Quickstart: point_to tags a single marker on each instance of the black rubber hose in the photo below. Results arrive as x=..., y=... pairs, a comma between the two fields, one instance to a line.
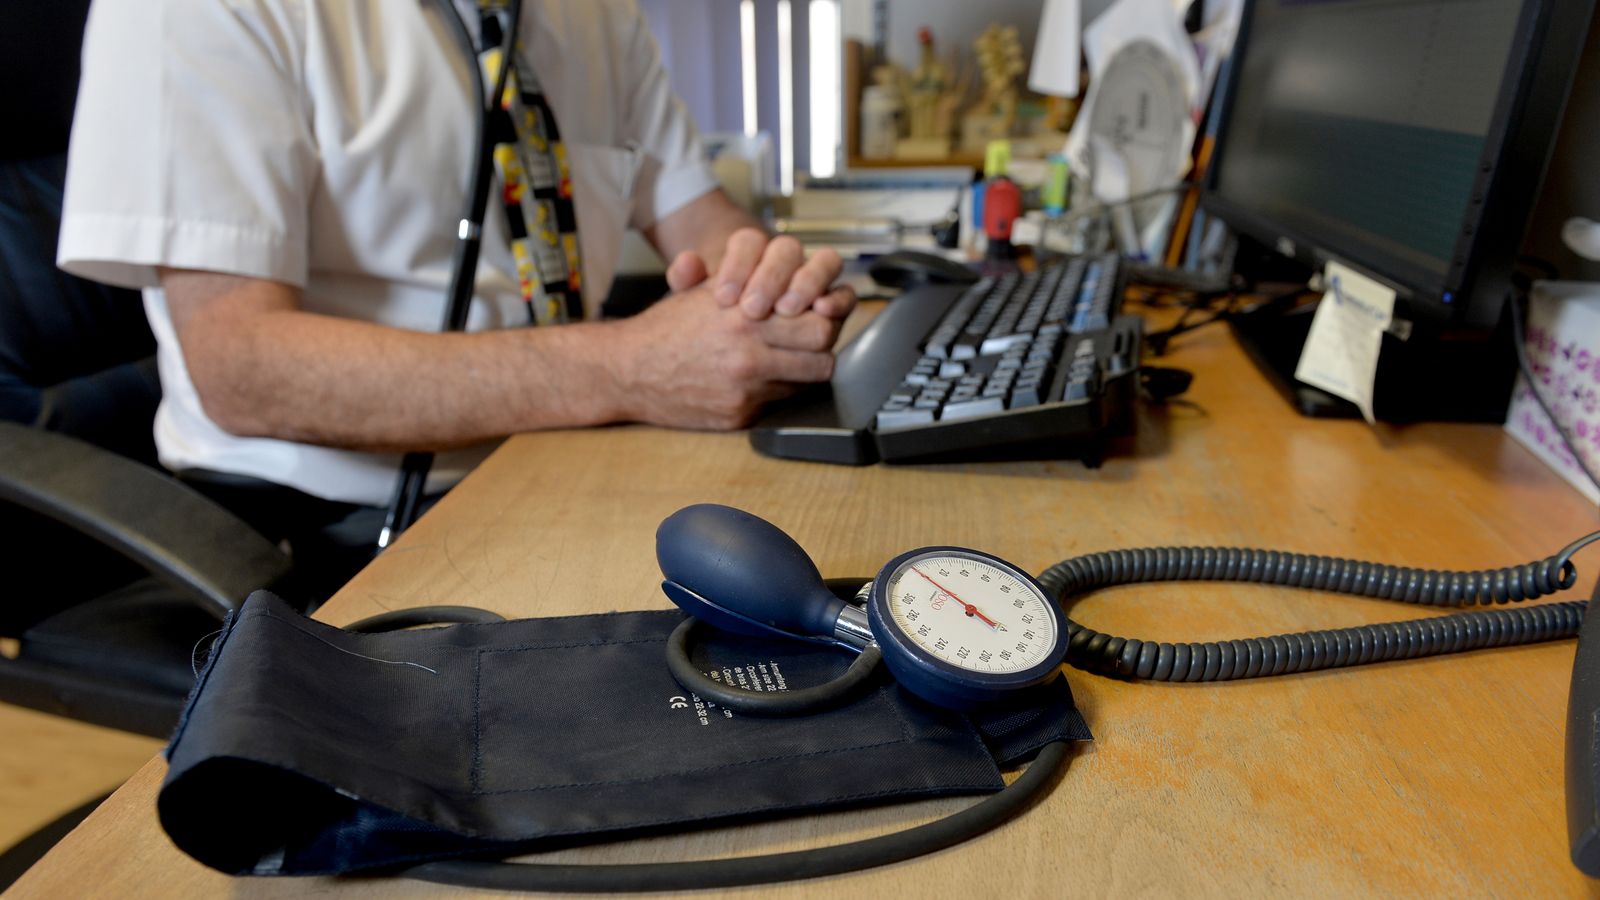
x=417, y=616
x=1285, y=653
x=965, y=825
x=799, y=702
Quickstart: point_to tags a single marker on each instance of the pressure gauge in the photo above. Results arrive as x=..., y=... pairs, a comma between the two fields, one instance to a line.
x=957, y=627
x=961, y=627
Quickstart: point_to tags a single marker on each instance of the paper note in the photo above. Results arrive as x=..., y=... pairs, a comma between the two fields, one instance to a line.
x=1341, y=352
x=1057, y=52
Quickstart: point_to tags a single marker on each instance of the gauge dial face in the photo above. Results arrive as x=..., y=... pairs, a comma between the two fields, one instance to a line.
x=972, y=613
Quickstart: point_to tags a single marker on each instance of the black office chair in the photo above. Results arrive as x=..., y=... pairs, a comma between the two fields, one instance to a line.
x=114, y=570
x=117, y=574
x=109, y=638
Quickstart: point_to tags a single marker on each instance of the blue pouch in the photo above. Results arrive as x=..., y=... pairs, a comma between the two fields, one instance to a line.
x=309, y=750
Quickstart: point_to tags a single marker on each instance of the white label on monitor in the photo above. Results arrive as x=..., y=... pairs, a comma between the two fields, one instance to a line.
x=1341, y=352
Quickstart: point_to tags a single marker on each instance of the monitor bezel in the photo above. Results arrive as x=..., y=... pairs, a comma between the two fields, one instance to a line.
x=1540, y=67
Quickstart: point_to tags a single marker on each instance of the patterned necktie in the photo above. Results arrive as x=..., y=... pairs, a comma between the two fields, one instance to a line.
x=535, y=183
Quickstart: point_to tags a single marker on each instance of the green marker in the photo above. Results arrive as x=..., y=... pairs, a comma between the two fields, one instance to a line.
x=1054, y=195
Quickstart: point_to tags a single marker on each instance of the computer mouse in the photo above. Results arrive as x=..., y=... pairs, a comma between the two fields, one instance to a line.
x=904, y=268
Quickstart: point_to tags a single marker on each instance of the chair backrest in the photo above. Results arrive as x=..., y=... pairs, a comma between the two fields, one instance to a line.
x=194, y=546
x=115, y=574
x=75, y=356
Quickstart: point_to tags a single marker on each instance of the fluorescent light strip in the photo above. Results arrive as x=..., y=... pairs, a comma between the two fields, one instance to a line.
x=825, y=92
x=786, y=96
x=747, y=64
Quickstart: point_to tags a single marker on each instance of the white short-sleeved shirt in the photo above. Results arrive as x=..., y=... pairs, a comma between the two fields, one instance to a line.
x=326, y=144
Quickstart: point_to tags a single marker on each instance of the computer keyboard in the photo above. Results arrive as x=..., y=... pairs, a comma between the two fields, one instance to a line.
x=1019, y=365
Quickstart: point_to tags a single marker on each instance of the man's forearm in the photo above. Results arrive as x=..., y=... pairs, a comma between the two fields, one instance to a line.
x=320, y=380
x=263, y=367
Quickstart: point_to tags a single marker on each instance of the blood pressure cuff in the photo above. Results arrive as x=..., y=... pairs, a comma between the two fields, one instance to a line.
x=309, y=750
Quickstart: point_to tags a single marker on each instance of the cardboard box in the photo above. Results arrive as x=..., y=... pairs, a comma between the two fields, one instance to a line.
x=1563, y=343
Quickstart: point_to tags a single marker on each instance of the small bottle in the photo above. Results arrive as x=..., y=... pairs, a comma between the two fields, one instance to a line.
x=881, y=114
x=1054, y=195
x=1002, y=200
x=1002, y=205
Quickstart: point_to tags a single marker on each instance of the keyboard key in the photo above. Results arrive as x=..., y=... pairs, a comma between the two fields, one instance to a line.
x=1076, y=390
x=966, y=409
x=900, y=418
x=1026, y=395
x=938, y=345
x=965, y=346
x=996, y=345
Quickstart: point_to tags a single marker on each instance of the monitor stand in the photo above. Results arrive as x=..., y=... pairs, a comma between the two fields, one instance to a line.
x=1433, y=377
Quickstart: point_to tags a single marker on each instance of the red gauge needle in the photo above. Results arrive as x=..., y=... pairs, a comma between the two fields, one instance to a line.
x=971, y=610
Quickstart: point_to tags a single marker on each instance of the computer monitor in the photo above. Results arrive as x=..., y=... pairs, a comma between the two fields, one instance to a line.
x=1405, y=138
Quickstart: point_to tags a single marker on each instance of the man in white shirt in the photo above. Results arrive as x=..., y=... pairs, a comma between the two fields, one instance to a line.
x=283, y=179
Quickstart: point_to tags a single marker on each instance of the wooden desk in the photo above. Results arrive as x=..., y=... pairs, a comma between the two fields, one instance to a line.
x=1436, y=776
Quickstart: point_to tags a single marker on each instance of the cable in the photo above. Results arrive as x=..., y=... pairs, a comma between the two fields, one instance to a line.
x=1100, y=207
x=981, y=817
x=765, y=703
x=1157, y=341
x=1157, y=297
x=414, y=466
x=1308, y=651
x=417, y=616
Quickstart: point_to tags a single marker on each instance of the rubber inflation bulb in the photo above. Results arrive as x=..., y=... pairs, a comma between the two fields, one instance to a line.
x=745, y=565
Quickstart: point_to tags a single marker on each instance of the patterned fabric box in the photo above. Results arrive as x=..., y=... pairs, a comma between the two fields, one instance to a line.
x=1563, y=338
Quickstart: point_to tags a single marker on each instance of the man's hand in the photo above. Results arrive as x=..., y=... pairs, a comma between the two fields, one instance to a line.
x=691, y=362
x=767, y=276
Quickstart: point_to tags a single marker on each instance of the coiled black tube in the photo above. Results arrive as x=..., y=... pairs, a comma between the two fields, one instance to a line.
x=1307, y=651
x=797, y=702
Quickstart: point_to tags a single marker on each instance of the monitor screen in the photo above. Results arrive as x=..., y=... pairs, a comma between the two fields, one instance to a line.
x=1370, y=130
x=1407, y=139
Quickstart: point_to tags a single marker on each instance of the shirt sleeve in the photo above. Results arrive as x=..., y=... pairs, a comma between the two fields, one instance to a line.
x=191, y=145
x=674, y=169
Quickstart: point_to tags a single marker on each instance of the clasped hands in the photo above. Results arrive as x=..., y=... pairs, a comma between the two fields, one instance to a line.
x=724, y=343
